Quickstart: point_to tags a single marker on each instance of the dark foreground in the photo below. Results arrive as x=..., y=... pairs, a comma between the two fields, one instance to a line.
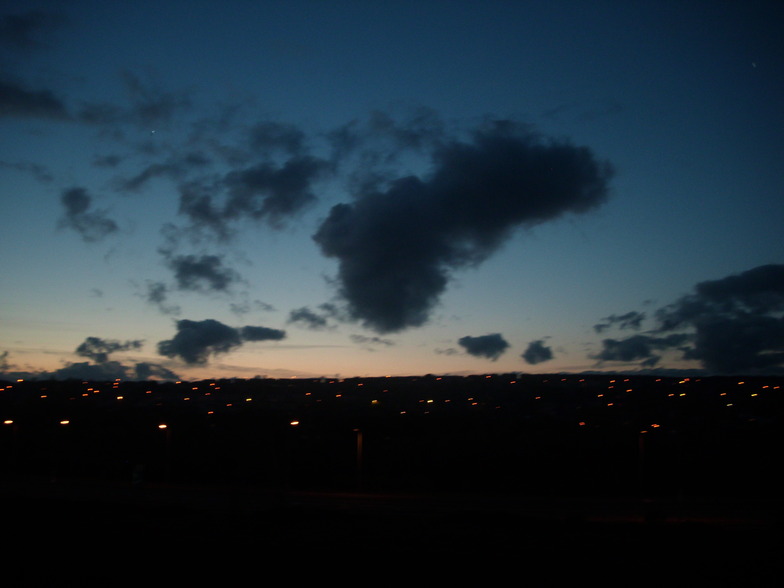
x=88, y=534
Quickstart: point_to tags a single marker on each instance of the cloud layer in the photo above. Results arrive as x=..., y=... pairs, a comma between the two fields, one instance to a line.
x=730, y=325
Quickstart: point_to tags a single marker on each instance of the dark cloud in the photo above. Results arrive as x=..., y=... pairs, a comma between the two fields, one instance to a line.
x=250, y=333
x=245, y=306
x=99, y=349
x=195, y=341
x=269, y=192
x=383, y=138
x=24, y=31
x=730, y=325
x=201, y=273
x=758, y=291
x=397, y=247
x=103, y=370
x=91, y=225
x=272, y=192
x=19, y=102
x=38, y=171
x=537, y=352
x=147, y=105
x=174, y=168
x=107, y=160
x=107, y=371
x=157, y=294
x=630, y=320
x=364, y=340
x=269, y=137
x=489, y=346
x=639, y=348
x=146, y=371
x=152, y=106
x=307, y=318
x=737, y=321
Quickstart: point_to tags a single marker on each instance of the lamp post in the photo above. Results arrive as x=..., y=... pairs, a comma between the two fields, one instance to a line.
x=359, y=457
x=167, y=450
x=12, y=453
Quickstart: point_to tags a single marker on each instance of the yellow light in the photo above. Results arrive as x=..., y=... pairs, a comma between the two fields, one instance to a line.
x=163, y=426
x=294, y=423
x=8, y=422
x=65, y=422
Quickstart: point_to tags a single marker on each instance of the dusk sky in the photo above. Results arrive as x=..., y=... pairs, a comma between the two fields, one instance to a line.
x=229, y=189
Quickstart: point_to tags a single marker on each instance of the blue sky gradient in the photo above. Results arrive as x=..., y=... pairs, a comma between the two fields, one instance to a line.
x=171, y=172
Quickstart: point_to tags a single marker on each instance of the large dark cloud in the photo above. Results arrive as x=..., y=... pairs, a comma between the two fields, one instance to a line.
x=737, y=320
x=490, y=346
x=730, y=325
x=92, y=225
x=398, y=246
x=195, y=341
x=537, y=352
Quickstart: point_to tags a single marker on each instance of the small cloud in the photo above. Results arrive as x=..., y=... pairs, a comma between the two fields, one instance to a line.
x=201, y=273
x=92, y=225
x=364, y=340
x=307, y=318
x=630, y=320
x=489, y=346
x=157, y=293
x=250, y=333
x=537, y=352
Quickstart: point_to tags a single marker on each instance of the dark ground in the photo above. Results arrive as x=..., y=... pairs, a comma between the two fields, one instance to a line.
x=68, y=533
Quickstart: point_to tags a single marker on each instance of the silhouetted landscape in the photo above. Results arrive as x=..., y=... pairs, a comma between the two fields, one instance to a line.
x=500, y=466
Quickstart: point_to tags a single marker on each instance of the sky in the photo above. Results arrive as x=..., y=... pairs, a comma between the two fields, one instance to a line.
x=212, y=189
